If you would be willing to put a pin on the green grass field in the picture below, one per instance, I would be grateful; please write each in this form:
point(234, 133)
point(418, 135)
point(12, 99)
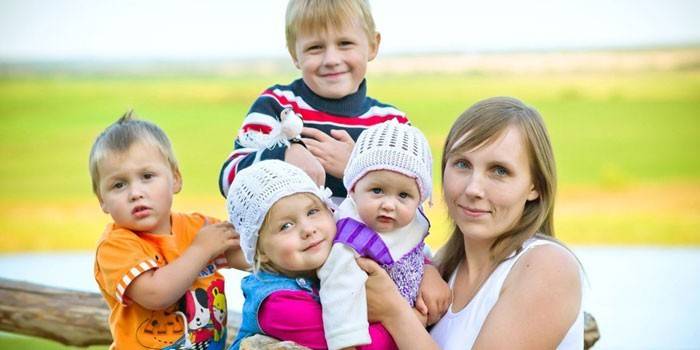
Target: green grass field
point(626, 148)
point(625, 143)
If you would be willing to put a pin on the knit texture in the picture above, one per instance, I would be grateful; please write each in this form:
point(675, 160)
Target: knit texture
point(256, 189)
point(392, 146)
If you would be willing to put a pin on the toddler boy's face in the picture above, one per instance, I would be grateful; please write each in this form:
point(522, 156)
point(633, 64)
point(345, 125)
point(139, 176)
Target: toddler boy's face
point(333, 62)
point(136, 188)
point(386, 200)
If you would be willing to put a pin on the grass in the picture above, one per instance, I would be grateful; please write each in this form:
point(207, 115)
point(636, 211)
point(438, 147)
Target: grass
point(613, 135)
point(626, 149)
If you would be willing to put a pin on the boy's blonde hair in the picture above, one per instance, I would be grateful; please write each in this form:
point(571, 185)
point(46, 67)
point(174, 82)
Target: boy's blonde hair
point(306, 16)
point(123, 133)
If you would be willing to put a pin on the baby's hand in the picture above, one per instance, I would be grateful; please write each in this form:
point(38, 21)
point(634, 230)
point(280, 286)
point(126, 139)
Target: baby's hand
point(216, 238)
point(434, 296)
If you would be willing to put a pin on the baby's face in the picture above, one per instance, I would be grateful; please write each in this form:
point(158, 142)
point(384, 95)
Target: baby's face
point(297, 236)
point(386, 200)
point(136, 188)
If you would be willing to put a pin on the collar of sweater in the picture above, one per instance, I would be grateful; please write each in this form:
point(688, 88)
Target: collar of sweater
point(348, 106)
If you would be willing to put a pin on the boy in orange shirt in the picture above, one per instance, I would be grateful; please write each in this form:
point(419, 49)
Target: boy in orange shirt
point(157, 270)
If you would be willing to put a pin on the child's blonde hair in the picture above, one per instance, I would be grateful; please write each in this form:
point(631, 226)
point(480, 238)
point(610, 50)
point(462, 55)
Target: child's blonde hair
point(307, 16)
point(268, 266)
point(119, 137)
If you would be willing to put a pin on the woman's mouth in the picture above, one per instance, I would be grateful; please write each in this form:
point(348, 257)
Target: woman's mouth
point(474, 212)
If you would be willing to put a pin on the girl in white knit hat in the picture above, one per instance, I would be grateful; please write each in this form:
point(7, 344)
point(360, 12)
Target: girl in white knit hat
point(286, 231)
point(388, 177)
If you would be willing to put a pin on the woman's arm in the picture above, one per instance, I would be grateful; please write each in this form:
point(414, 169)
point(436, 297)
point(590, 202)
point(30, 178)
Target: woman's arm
point(539, 301)
point(385, 304)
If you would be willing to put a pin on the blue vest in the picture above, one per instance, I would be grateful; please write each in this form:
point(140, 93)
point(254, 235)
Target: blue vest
point(258, 286)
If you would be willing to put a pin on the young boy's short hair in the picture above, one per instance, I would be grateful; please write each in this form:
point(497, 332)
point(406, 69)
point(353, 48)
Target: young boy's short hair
point(305, 16)
point(123, 133)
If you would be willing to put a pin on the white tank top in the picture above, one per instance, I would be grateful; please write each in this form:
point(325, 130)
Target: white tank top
point(459, 330)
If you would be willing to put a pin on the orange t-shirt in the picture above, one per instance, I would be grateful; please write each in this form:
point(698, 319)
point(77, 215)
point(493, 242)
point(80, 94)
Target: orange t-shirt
point(200, 315)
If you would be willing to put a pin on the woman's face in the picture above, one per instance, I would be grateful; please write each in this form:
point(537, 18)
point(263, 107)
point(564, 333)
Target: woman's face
point(486, 188)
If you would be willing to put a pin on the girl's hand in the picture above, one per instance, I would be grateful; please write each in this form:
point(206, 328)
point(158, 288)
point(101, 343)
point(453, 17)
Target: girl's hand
point(383, 298)
point(332, 151)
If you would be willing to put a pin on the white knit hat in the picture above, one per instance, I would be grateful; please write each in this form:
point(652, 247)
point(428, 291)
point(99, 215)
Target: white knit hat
point(256, 189)
point(392, 146)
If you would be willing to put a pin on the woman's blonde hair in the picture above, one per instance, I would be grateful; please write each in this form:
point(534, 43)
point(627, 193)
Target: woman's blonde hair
point(308, 16)
point(480, 125)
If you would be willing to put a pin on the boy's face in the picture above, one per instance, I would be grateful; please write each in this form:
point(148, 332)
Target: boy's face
point(386, 200)
point(136, 188)
point(297, 236)
point(334, 62)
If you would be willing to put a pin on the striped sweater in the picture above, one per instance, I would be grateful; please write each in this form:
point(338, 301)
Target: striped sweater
point(352, 113)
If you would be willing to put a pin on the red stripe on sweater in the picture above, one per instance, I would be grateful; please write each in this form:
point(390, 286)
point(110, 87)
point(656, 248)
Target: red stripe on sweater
point(265, 129)
point(234, 165)
point(318, 116)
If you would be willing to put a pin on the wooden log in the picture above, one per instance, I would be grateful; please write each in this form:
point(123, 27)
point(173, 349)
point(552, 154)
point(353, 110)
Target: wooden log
point(80, 318)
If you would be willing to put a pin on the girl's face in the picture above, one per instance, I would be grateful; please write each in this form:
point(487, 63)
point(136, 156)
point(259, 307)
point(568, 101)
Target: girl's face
point(297, 235)
point(486, 189)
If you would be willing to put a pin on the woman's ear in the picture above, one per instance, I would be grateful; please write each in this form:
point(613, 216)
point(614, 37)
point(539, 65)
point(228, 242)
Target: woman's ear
point(534, 194)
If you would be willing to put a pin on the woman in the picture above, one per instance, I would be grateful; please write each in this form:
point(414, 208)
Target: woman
point(514, 286)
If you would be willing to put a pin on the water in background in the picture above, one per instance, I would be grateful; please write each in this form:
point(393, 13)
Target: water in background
point(642, 297)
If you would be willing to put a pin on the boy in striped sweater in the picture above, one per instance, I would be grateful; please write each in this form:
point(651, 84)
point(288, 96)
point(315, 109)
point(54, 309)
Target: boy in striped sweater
point(331, 42)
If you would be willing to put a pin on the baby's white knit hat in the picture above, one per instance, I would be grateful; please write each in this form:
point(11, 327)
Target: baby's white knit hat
point(392, 146)
point(256, 189)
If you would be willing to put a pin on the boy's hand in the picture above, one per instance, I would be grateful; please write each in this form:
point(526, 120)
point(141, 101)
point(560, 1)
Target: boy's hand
point(332, 151)
point(300, 157)
point(434, 295)
point(214, 239)
point(235, 258)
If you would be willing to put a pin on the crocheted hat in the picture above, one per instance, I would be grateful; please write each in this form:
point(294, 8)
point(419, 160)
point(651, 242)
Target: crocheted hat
point(256, 189)
point(392, 146)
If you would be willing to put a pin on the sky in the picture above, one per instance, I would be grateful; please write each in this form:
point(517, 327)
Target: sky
point(224, 29)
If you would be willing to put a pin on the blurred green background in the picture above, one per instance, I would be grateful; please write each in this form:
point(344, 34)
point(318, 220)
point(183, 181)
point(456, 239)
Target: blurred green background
point(626, 144)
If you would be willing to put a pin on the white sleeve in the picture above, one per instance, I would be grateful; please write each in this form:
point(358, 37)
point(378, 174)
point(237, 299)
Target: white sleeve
point(343, 299)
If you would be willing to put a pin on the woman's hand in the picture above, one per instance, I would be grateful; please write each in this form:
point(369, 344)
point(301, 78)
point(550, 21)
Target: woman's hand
point(383, 298)
point(385, 304)
point(434, 296)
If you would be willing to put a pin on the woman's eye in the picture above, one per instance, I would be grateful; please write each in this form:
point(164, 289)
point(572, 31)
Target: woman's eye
point(461, 164)
point(500, 171)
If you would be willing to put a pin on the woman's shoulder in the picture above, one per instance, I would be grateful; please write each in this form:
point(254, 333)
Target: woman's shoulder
point(548, 274)
point(548, 260)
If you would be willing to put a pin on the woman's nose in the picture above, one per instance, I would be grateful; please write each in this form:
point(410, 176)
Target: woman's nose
point(474, 186)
